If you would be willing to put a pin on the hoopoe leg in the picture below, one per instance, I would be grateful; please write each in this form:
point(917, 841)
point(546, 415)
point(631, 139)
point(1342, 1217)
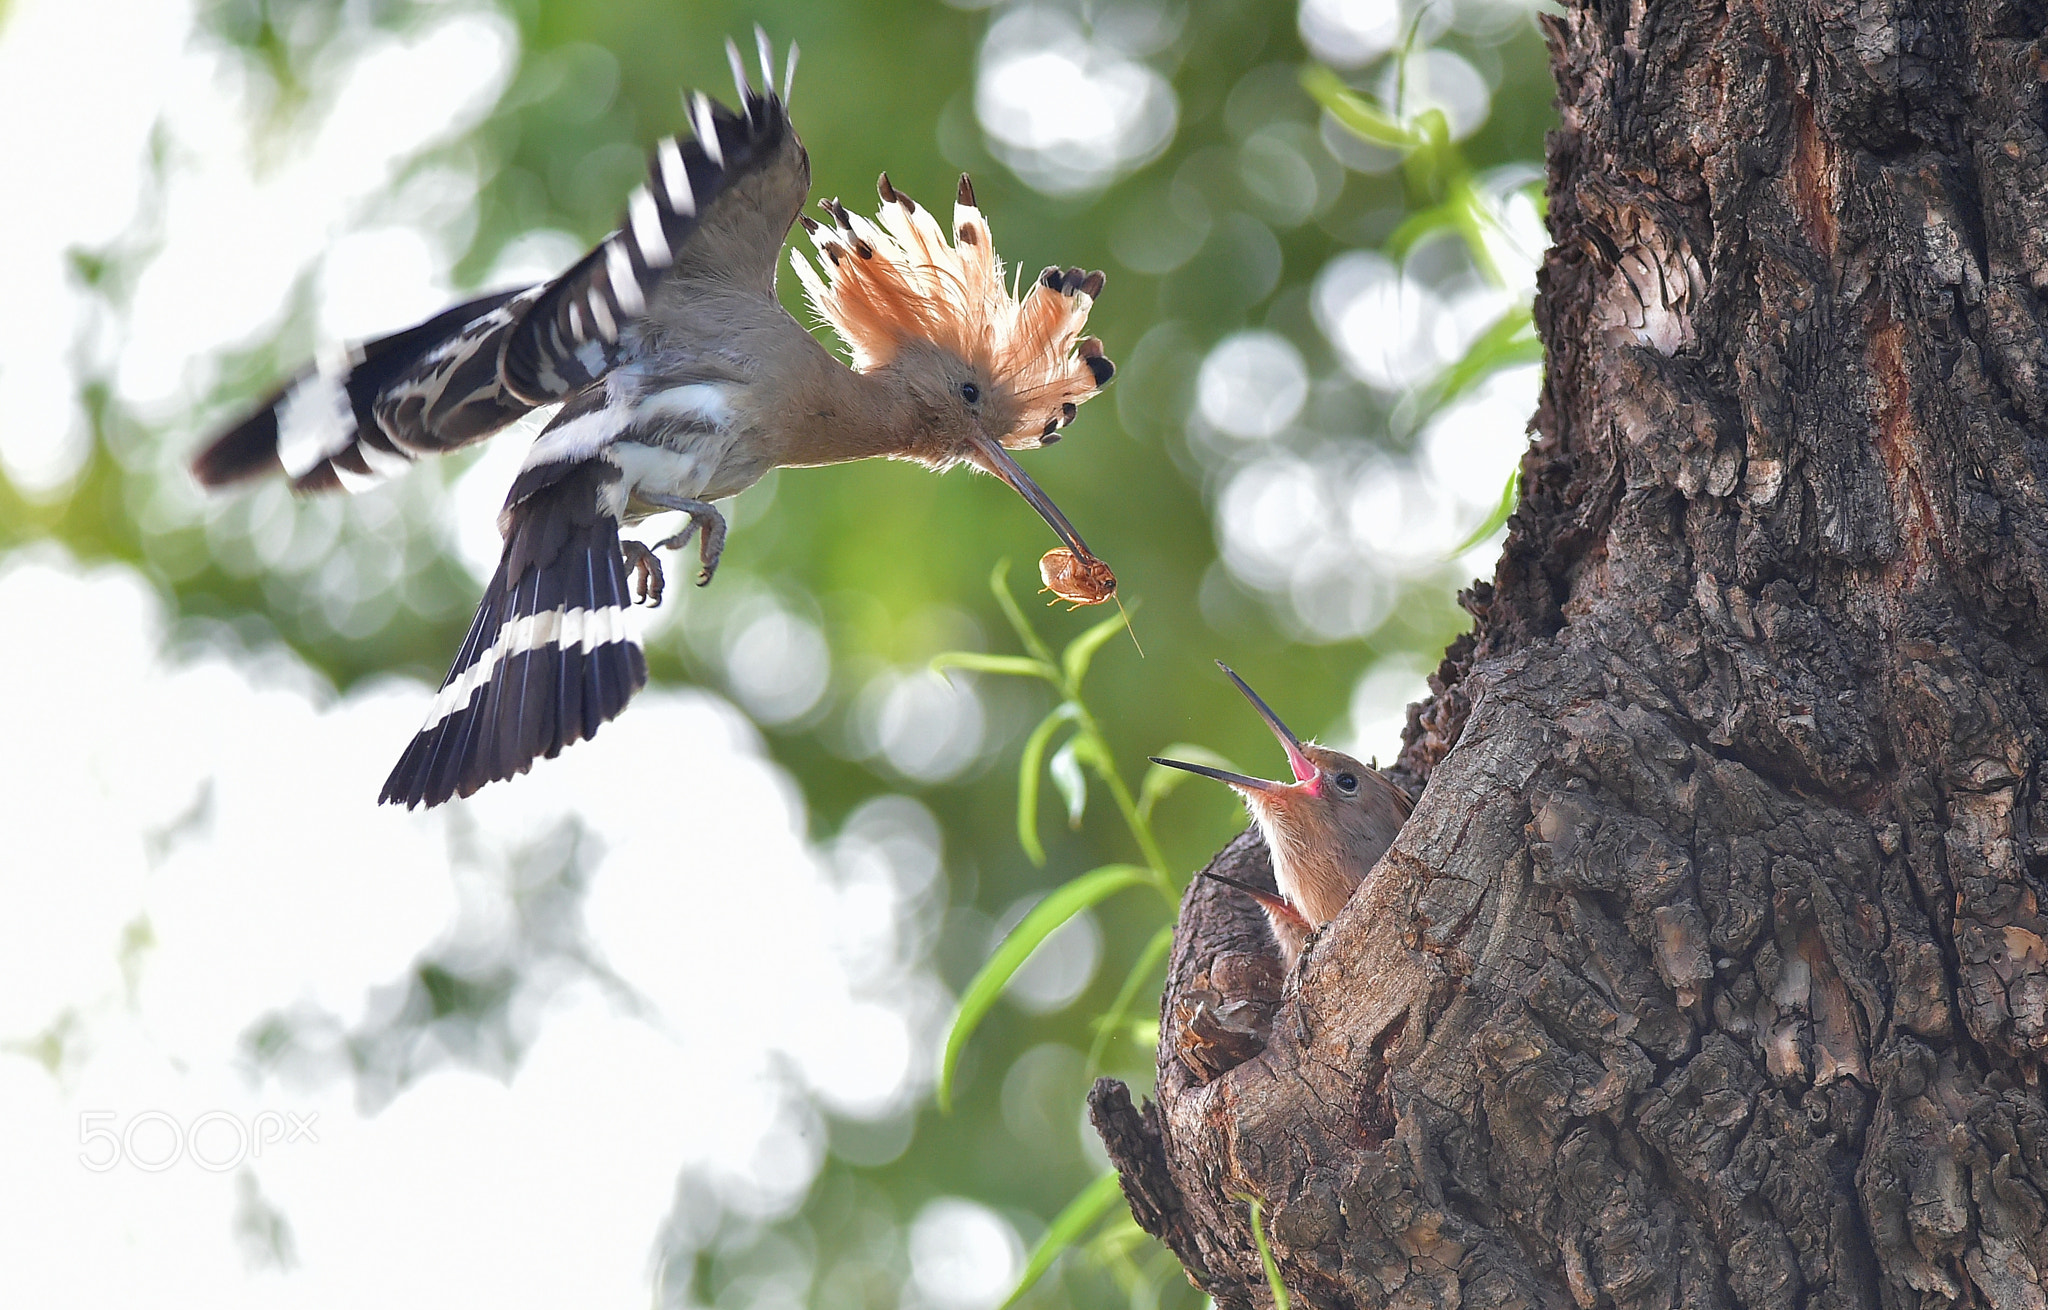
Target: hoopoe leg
point(702, 515)
point(643, 567)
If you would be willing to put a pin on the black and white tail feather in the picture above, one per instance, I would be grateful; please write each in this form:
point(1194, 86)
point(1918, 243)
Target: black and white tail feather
point(552, 653)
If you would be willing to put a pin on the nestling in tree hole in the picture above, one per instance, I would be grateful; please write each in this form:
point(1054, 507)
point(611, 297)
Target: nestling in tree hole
point(1324, 831)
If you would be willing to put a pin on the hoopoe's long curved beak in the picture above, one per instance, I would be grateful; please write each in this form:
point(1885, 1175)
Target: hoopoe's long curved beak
point(1305, 772)
point(991, 456)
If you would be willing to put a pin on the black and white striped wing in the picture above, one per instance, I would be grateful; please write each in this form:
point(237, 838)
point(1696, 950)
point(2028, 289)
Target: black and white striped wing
point(551, 654)
point(346, 421)
point(714, 208)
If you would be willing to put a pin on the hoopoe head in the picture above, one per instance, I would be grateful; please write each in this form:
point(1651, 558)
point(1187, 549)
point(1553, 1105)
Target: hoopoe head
point(991, 371)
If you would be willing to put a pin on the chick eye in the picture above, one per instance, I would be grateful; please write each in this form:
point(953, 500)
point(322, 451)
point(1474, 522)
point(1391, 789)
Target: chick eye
point(1346, 783)
point(970, 393)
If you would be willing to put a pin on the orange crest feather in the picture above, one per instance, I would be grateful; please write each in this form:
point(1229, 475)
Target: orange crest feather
point(883, 284)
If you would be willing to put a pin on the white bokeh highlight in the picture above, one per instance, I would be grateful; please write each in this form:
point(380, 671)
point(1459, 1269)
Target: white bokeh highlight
point(925, 726)
point(1066, 108)
point(1330, 531)
point(1252, 385)
point(213, 811)
point(1437, 79)
point(963, 1255)
point(1350, 32)
point(1062, 966)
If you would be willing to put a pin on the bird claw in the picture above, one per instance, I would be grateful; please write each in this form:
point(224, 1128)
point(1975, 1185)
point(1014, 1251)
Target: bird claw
point(643, 568)
point(711, 546)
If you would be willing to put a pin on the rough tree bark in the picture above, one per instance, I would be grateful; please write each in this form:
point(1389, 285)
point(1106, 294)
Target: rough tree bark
point(1711, 969)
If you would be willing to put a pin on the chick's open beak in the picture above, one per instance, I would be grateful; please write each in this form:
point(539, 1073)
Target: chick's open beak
point(1238, 780)
point(1305, 772)
point(992, 458)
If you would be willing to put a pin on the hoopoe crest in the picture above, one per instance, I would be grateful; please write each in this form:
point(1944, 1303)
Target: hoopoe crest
point(886, 285)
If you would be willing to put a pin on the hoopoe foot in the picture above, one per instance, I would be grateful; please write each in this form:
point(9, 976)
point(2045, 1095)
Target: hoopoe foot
point(704, 518)
point(643, 572)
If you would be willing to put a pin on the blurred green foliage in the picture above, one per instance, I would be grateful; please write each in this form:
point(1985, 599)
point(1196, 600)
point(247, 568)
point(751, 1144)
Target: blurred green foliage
point(892, 561)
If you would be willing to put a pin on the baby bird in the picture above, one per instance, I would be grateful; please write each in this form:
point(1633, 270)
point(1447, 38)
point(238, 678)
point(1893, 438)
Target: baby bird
point(1326, 829)
point(677, 379)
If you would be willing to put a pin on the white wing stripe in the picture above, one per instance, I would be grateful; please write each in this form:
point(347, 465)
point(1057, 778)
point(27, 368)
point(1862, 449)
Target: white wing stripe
point(646, 226)
point(577, 629)
point(618, 266)
point(601, 314)
point(767, 54)
point(675, 178)
point(739, 77)
point(314, 421)
point(707, 128)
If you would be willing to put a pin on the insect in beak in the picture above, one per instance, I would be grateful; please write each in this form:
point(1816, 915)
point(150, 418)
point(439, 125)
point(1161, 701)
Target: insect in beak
point(1081, 579)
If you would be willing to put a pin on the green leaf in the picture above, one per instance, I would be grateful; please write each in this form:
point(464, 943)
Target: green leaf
point(1416, 226)
point(1028, 765)
point(1364, 118)
point(1015, 666)
point(1114, 1020)
point(1510, 341)
point(1079, 1215)
point(999, 583)
point(1066, 901)
point(1273, 1282)
point(1160, 780)
point(1072, 782)
point(1476, 215)
point(1493, 520)
point(1080, 652)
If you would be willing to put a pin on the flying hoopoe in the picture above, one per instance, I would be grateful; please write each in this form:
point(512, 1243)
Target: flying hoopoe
point(681, 380)
point(1325, 830)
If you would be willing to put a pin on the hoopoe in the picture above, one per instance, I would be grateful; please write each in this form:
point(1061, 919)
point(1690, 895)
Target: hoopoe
point(1325, 830)
point(680, 380)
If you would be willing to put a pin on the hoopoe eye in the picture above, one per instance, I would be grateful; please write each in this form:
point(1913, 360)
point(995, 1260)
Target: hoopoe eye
point(1346, 783)
point(970, 393)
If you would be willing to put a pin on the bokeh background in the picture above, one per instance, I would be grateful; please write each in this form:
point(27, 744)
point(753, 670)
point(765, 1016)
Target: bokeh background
point(657, 1024)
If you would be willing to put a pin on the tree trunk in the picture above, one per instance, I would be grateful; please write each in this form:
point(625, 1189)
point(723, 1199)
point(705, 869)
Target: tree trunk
point(1710, 970)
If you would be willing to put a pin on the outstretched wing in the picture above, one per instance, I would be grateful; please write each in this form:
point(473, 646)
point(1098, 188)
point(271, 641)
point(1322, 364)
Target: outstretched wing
point(342, 423)
point(714, 211)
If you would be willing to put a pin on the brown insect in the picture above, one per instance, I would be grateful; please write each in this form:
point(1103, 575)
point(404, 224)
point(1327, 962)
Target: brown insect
point(1082, 579)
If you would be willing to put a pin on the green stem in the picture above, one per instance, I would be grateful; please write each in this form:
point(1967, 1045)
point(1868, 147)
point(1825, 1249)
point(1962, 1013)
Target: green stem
point(999, 583)
point(1112, 777)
